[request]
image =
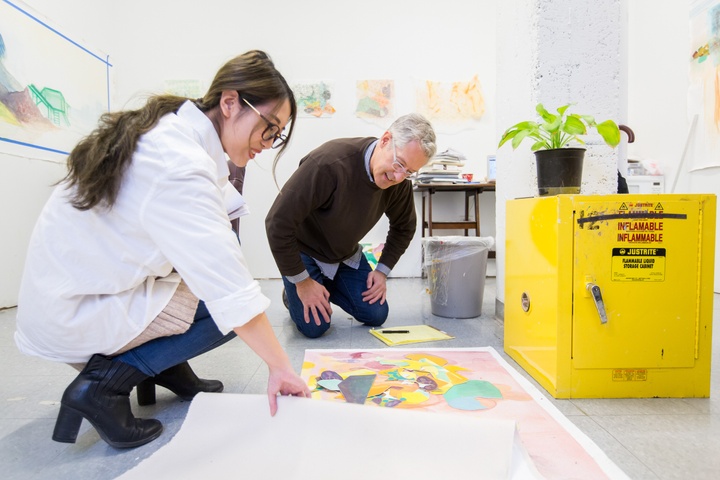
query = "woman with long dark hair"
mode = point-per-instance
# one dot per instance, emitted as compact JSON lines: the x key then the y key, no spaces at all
{"x":133,"y":268}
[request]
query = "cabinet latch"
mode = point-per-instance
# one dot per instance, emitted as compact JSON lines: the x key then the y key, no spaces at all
{"x":597,"y":298}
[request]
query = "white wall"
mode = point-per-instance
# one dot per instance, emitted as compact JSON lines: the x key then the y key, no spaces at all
{"x":320,"y":39}
{"x":151,"y":42}
{"x":25,"y":185}
{"x":659,"y":52}
{"x":659,"y":47}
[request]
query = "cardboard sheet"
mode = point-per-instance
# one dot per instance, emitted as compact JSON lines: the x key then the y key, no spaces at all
{"x":233,"y":436}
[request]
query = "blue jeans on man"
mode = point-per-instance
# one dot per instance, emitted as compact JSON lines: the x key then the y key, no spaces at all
{"x":345,"y":289}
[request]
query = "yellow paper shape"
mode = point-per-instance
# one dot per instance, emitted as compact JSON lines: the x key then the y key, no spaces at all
{"x":427,"y":357}
{"x":360,"y":371}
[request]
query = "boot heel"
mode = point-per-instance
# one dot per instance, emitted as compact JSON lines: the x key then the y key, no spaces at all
{"x":146,"y":392}
{"x":67,"y":425}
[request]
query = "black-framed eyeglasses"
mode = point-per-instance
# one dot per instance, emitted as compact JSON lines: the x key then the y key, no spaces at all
{"x":399,"y":167}
{"x":272,"y":132}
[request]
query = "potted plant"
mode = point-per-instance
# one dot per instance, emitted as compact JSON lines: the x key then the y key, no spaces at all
{"x":559,"y":167}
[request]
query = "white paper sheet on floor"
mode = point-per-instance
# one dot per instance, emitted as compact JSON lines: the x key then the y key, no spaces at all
{"x":233,"y":436}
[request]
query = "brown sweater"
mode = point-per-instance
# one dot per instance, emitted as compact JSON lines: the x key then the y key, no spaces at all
{"x":329,"y":204}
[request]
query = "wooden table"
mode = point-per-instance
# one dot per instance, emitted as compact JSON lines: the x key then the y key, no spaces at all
{"x":471,"y":190}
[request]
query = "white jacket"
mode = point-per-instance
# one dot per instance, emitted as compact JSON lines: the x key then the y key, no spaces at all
{"x":95,"y":279}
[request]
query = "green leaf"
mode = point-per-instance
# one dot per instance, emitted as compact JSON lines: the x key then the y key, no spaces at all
{"x":519,"y":137}
{"x":509,"y":133}
{"x":554,"y":124}
{"x":610,"y":132}
{"x":551,"y":122}
{"x":589,"y":119}
{"x":574,"y":126}
{"x":562,"y":109}
{"x":541,"y":110}
{"x":539,"y":145}
{"x":530,"y":127}
{"x":526,"y":125}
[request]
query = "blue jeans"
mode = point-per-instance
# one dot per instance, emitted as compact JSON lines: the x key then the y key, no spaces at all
{"x":345,"y":291}
{"x":162,"y":353}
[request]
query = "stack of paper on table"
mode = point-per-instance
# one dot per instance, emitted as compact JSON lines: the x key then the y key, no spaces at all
{"x":445,"y":167}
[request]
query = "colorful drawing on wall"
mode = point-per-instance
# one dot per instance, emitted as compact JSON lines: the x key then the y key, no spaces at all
{"x":451,"y":102}
{"x":375,"y":99}
{"x":52,"y":88}
{"x":704,"y":94}
{"x":474,"y":382}
{"x":314,"y":99}
{"x":372,"y":253}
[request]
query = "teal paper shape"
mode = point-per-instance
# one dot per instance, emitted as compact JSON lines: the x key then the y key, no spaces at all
{"x":355,"y":388}
{"x":465,"y":395}
{"x":332,"y":384}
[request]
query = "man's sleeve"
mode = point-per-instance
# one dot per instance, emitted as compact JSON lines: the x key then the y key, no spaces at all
{"x":403,"y":224}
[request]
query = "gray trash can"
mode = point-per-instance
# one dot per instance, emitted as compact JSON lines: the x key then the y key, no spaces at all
{"x":456,"y":268}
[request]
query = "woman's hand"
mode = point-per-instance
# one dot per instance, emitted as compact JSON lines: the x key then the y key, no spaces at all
{"x":284,"y":382}
{"x":259,"y":336}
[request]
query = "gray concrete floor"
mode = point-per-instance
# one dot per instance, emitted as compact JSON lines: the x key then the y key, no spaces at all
{"x":647,"y":438}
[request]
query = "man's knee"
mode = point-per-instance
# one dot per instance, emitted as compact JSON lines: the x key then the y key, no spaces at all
{"x":311,"y":330}
{"x":373,"y":315}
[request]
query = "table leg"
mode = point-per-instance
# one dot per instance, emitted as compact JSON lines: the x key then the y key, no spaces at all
{"x":422,"y":221}
{"x":467,"y":210}
{"x":477,"y":213}
{"x":430,"y":194}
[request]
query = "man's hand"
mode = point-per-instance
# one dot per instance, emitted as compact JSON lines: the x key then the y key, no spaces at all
{"x":377,"y":288}
{"x":315,"y":299}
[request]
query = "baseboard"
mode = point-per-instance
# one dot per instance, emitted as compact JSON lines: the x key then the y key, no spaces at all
{"x":499,"y":310}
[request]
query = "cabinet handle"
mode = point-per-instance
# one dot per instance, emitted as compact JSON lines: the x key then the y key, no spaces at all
{"x":597,"y":298}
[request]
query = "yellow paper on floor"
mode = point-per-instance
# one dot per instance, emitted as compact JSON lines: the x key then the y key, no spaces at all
{"x":412,"y":334}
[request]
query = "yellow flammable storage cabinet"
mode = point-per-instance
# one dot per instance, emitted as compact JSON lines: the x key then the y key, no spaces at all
{"x":611,"y":296}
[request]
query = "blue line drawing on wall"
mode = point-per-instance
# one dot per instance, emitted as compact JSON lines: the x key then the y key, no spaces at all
{"x":52,"y":104}
{"x":52,"y":88}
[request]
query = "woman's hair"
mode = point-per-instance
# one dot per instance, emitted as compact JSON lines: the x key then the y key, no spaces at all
{"x":96,"y":165}
{"x":413,"y":127}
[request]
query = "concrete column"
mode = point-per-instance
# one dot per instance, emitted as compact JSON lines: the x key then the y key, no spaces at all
{"x":557,"y":52}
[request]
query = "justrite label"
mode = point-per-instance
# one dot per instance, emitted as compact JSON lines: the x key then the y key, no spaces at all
{"x":629,"y":375}
{"x":638,"y":264}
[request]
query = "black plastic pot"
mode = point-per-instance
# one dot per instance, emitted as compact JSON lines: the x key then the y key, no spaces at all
{"x":559,"y":171}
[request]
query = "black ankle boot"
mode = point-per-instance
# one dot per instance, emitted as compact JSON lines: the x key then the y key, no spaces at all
{"x":101,"y":395}
{"x":181,"y":380}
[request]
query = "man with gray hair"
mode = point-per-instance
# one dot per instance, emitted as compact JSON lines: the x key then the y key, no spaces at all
{"x":334,"y":198}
